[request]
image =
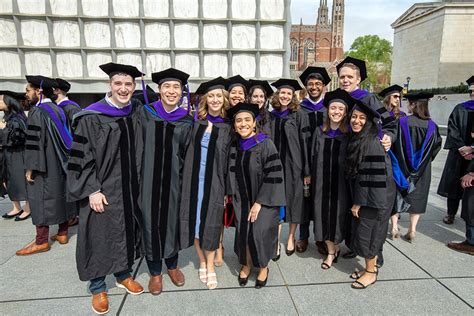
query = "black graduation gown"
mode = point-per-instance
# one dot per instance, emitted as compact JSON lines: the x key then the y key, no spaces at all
{"x":255,"y":175}
{"x":212,"y":211}
{"x":389,"y":124}
{"x":105,"y":157}
{"x":467,"y":212}
{"x":164,"y":149}
{"x":373,"y":188}
{"x":43,"y":155}
{"x":70,"y":108}
{"x":331,"y":198}
{"x":13,"y":138}
{"x":290,"y":135}
{"x":421,"y":178}
{"x":459,"y":135}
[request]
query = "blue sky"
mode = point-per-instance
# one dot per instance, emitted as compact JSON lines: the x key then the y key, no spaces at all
{"x":362,"y":17}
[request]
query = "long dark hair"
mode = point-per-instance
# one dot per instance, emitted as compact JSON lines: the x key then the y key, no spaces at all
{"x":14,"y":107}
{"x":358,"y":145}
{"x":264,"y":109}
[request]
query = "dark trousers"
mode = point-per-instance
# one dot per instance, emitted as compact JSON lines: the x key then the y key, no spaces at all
{"x":155,"y":267}
{"x":453,"y":206}
{"x":98,"y":285}
{"x":42,"y":233}
{"x":304,"y":231}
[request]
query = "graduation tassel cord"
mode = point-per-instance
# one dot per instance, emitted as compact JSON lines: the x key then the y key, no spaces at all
{"x":145,"y":94}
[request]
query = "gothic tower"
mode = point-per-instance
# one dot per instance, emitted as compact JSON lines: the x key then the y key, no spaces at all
{"x":323,"y":19}
{"x":337,"y":30}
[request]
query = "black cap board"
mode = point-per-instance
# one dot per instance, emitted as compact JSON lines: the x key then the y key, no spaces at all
{"x":267,"y":89}
{"x":151,"y":94}
{"x":318,"y":73}
{"x":170,"y":74}
{"x":356,"y":62}
{"x":243,"y":107}
{"x":287,"y":83}
{"x":41,"y":82}
{"x":112,"y":69}
{"x":470,"y":81}
{"x":390,"y":90}
{"x":216,"y":83}
{"x":237,"y":80}
{"x":15,"y":95}
{"x":63,"y":84}
{"x":339,"y":95}
{"x":419,"y":96}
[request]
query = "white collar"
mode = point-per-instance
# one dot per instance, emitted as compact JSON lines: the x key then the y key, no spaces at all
{"x":109,"y":102}
{"x":175,"y":108}
{"x":44,"y":100}
{"x":65,"y":98}
{"x":314,"y":102}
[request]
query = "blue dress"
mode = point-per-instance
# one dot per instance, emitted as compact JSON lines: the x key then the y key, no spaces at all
{"x":202,"y":173}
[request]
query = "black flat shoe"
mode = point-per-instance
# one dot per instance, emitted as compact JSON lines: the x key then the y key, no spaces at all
{"x":243,"y":281}
{"x":290,"y":252}
{"x":19,"y":219}
{"x":259,"y":284}
{"x":278,"y":255}
{"x":349,"y":255}
{"x":6,"y":216}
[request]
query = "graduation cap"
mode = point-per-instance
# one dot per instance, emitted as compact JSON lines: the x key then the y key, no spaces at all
{"x":339,"y":95}
{"x":216,"y":83}
{"x":237,"y":80}
{"x":263,"y":84}
{"x":151,"y":94}
{"x":41,"y":82}
{"x":470,"y":81}
{"x":367,"y":110}
{"x":390,"y":90}
{"x":419,"y":96}
{"x":112,"y":69}
{"x":15,"y":95}
{"x":318,"y":73}
{"x":287,"y":83}
{"x":170,"y":74}
{"x":63,"y":84}
{"x":357,"y":62}
{"x":243,"y":107}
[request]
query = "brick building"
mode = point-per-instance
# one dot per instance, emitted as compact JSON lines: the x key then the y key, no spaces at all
{"x":319,"y":44}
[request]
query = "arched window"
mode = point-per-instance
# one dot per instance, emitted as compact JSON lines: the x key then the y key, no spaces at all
{"x":294,"y":50}
{"x":308,"y":48}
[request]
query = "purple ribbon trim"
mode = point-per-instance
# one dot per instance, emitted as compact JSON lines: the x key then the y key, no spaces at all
{"x":109,"y":110}
{"x":359,"y":94}
{"x":67,"y":102}
{"x":246,"y":144}
{"x":280,"y":114}
{"x":170,"y":117}
{"x":469,"y":105}
{"x":415,"y":158}
{"x":60,"y":123}
{"x":333,"y":133}
{"x":215,"y":119}
{"x":311,"y":106}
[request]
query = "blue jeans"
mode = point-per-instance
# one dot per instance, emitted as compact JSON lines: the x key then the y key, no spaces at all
{"x":155,"y":267}
{"x":98,"y":285}
{"x":470,"y":234}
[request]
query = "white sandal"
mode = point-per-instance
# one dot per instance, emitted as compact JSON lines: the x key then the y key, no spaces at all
{"x":211,"y":284}
{"x":203,"y":275}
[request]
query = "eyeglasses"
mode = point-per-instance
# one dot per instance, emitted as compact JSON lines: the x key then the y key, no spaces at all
{"x":396,"y":96}
{"x":317,"y":84}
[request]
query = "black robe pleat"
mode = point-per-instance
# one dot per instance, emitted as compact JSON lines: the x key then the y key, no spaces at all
{"x":374,"y":189}
{"x":47,"y":194}
{"x":105,"y":157}
{"x":256,"y":175}
{"x":164,"y":151}
{"x":388,"y":122}
{"x":291,"y":135}
{"x":212,"y":208}
{"x":12,"y":140}
{"x":460,"y":123}
{"x":331,"y":195}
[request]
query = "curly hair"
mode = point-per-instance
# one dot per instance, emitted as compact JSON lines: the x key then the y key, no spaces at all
{"x":202,"y":107}
{"x":357,"y":146}
{"x":293,"y":106}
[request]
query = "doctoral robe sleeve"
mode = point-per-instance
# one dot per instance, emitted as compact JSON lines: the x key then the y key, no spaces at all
{"x":13,"y":134}
{"x":454,"y":139}
{"x":35,"y":154}
{"x":389,"y":123}
{"x":272,"y":191}
{"x":437,"y":145}
{"x":305,"y":140}
{"x":231,"y":157}
{"x":370,"y":185}
{"x":81,"y":174}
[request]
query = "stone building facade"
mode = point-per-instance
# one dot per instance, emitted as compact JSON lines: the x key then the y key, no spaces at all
{"x":319,"y":44}
{"x":433,"y":44}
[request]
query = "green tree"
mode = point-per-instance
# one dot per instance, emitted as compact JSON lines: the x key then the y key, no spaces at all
{"x":377,"y":53}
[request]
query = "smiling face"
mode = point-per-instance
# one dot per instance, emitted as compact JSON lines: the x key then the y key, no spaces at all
{"x":236,"y":95}
{"x":395,"y":100}
{"x":171,"y":92}
{"x":215,"y":101}
{"x":258,"y":97}
{"x":315,"y":88}
{"x":358,"y":120}
{"x":336,"y":112}
{"x":349,"y":79}
{"x":244,"y":124}
{"x":121,"y":88}
{"x":284,"y":97}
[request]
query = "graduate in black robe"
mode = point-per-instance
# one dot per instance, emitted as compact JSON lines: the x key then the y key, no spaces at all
{"x":369,"y":170}
{"x":69,"y":107}
{"x":12,"y":141}
{"x":166,"y":129}
{"x":205,"y":168}
{"x":315,"y":80}
{"x":331,"y":197}
{"x":458,"y":142}
{"x":290,"y":133}
{"x":238,"y":89}
{"x":260,"y":92}
{"x":103,"y":177}
{"x":48,"y":142}
{"x":416,"y":147}
{"x":256,"y":184}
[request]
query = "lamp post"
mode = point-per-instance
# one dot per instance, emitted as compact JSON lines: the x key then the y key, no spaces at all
{"x":408,"y":83}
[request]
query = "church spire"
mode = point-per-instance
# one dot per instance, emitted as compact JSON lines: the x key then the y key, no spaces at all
{"x":323,"y":14}
{"x":337,"y":28}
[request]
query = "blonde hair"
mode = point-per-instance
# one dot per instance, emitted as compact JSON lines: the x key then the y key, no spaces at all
{"x":203,"y":109}
{"x":351,"y":66}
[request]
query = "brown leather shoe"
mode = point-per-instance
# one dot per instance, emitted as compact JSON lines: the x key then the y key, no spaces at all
{"x":62,"y":239}
{"x":302,"y":245}
{"x":33,"y":248}
{"x":100,"y":303}
{"x":464,"y":247}
{"x":176,"y":276}
{"x":131,"y":286}
{"x":155,"y":285}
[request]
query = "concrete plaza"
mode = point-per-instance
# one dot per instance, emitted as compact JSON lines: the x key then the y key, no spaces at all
{"x":425,"y":277}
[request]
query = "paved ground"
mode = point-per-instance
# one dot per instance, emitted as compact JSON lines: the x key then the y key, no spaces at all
{"x":421,"y":278}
